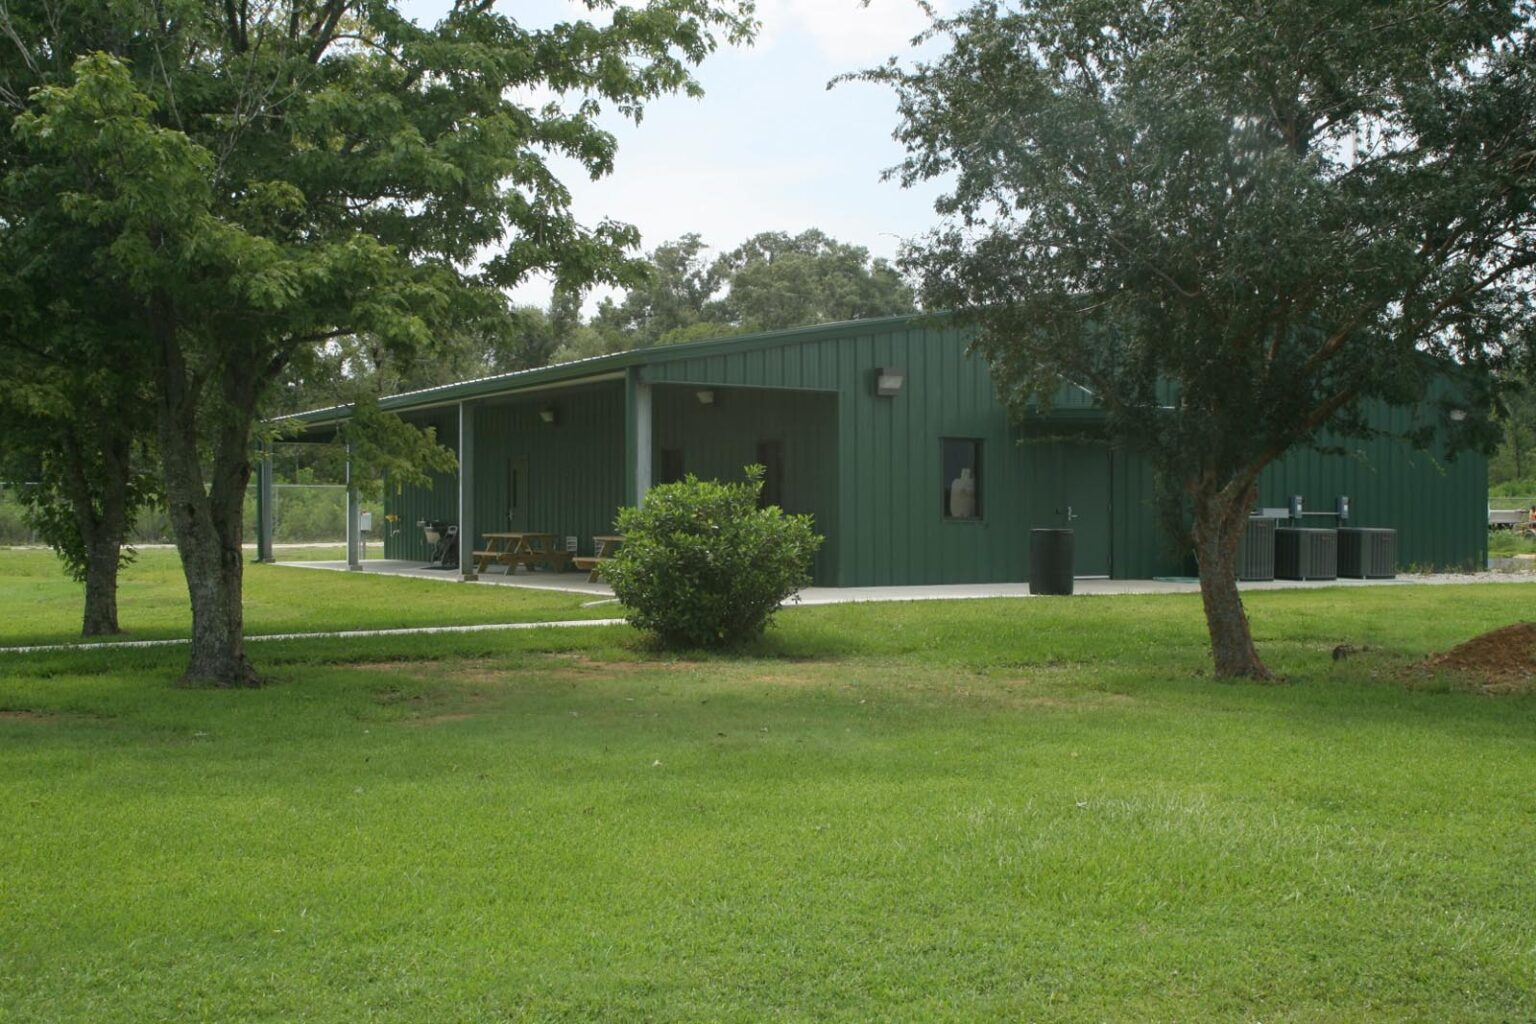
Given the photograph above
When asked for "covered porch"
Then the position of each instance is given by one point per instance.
(555, 461)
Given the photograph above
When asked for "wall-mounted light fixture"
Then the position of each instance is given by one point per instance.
(549, 415)
(1457, 415)
(888, 381)
(705, 397)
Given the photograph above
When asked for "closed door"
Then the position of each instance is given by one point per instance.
(1083, 505)
(515, 492)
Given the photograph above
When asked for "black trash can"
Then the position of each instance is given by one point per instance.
(1050, 562)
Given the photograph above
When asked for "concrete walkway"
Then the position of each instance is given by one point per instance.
(576, 583)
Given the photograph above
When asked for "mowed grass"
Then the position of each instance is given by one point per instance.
(961, 811)
(40, 605)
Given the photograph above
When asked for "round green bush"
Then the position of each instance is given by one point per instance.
(703, 566)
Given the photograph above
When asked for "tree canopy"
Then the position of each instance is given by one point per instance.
(771, 281)
(1233, 222)
(256, 180)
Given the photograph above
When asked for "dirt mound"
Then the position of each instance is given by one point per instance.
(1501, 661)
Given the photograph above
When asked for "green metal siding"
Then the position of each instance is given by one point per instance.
(719, 439)
(869, 467)
(575, 466)
(889, 527)
(1142, 549)
(1438, 506)
(404, 538)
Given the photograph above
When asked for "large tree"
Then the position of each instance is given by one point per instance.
(77, 464)
(75, 407)
(776, 280)
(275, 175)
(771, 281)
(677, 293)
(1233, 221)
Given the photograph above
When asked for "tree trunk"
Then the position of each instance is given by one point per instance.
(99, 499)
(206, 517)
(1221, 515)
(214, 581)
(101, 587)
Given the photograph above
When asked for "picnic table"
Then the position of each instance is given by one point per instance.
(603, 547)
(521, 547)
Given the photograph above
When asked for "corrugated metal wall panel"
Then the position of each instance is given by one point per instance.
(403, 538)
(575, 466)
(1437, 506)
(879, 467)
(718, 440)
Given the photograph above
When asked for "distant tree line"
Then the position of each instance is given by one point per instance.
(773, 280)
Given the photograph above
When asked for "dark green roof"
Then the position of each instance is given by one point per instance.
(604, 367)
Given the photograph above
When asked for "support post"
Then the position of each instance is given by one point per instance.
(637, 438)
(265, 508)
(467, 491)
(354, 521)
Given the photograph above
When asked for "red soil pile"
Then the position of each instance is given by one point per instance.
(1503, 661)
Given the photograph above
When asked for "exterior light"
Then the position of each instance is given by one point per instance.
(888, 381)
(705, 397)
(548, 414)
(1457, 415)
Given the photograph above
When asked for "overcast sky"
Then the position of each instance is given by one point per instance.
(768, 147)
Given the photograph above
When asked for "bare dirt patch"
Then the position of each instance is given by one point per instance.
(581, 666)
(1502, 661)
(423, 721)
(385, 666)
(20, 715)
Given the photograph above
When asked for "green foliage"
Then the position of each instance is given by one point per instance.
(251, 182)
(1515, 458)
(14, 528)
(1520, 488)
(771, 281)
(703, 566)
(1232, 225)
(777, 280)
(675, 295)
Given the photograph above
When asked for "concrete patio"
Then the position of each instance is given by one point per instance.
(577, 583)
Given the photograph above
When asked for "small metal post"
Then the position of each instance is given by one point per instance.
(265, 507)
(354, 523)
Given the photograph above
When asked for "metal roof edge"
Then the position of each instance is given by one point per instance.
(602, 366)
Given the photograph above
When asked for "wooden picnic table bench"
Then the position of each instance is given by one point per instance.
(530, 548)
(603, 547)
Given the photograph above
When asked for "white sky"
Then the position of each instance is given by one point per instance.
(768, 147)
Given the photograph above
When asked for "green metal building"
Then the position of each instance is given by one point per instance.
(867, 425)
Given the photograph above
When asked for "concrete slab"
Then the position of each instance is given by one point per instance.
(565, 582)
(576, 583)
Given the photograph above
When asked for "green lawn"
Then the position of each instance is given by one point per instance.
(39, 605)
(960, 811)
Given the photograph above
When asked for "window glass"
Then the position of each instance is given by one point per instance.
(961, 478)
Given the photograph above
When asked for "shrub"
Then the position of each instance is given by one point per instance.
(703, 566)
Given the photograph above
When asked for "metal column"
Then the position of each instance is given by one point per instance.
(354, 522)
(638, 437)
(467, 491)
(264, 506)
